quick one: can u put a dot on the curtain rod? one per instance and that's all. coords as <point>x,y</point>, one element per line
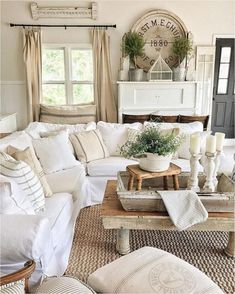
<point>62,26</point>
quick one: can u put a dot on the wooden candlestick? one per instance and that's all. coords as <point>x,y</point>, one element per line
<point>209,184</point>
<point>193,178</point>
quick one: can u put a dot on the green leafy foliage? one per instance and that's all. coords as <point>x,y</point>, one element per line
<point>181,48</point>
<point>152,140</point>
<point>133,46</point>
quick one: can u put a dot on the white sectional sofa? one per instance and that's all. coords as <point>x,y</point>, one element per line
<point>47,237</point>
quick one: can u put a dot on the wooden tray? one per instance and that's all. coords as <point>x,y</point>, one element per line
<point>149,200</point>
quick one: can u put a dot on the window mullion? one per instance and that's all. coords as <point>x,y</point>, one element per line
<point>68,76</point>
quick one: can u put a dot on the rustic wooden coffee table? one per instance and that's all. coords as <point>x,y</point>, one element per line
<point>135,171</point>
<point>115,217</point>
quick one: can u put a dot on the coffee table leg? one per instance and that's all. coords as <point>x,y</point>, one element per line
<point>123,241</point>
<point>230,249</point>
<point>165,182</point>
<point>176,182</point>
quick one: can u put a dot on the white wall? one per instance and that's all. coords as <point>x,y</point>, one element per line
<point>202,18</point>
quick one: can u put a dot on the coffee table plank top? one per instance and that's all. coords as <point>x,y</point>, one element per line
<point>112,208</point>
<point>139,173</point>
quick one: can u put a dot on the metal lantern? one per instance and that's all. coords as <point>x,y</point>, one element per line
<point>160,71</point>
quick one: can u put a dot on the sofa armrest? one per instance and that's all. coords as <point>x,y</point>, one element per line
<point>25,237</point>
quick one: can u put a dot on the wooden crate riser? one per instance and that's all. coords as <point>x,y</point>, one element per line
<point>149,200</point>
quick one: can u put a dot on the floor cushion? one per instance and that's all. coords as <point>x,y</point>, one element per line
<point>151,270</point>
<point>108,166</point>
<point>65,285</point>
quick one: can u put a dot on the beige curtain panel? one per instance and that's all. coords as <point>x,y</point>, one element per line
<point>32,51</point>
<point>103,88</point>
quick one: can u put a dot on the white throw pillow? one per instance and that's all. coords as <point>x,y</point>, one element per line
<point>115,135</point>
<point>89,146</point>
<point>25,178</point>
<point>34,129</point>
<point>13,199</point>
<point>54,153</point>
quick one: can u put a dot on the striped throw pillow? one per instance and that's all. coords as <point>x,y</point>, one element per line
<point>25,178</point>
<point>89,146</point>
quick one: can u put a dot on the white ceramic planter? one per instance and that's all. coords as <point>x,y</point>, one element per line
<point>155,163</point>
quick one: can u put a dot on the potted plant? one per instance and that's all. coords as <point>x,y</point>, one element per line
<point>133,46</point>
<point>181,48</point>
<point>153,148</point>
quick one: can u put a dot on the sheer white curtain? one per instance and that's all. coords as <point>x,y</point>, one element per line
<point>32,51</point>
<point>103,88</point>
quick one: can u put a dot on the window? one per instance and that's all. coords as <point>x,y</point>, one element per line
<point>67,75</point>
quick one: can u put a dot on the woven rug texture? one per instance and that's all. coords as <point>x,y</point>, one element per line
<point>93,247</point>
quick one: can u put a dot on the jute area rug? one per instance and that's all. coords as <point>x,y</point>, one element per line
<point>93,247</point>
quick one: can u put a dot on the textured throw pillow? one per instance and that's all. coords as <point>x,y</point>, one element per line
<point>54,153</point>
<point>13,288</point>
<point>115,135</point>
<point>13,199</point>
<point>89,146</point>
<point>67,114</point>
<point>28,155</point>
<point>25,177</point>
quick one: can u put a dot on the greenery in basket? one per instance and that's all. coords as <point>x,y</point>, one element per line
<point>133,46</point>
<point>181,48</point>
<point>152,140</point>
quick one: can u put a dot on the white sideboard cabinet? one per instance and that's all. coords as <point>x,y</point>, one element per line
<point>158,97</point>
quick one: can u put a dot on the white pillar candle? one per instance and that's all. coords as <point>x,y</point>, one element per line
<point>219,141</point>
<point>211,144</point>
<point>195,143</point>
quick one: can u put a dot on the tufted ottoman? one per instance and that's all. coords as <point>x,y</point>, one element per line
<point>150,270</point>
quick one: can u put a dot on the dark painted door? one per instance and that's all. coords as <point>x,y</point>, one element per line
<point>223,93</point>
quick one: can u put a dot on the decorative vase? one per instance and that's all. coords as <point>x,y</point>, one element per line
<point>136,74</point>
<point>179,74</point>
<point>154,162</point>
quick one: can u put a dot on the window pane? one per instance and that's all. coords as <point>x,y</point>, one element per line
<point>223,70</point>
<point>82,66</point>
<point>53,65</point>
<point>225,54</point>
<point>53,94</point>
<point>83,94</point>
<point>222,86</point>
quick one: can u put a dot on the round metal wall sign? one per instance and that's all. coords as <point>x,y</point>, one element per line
<point>159,28</point>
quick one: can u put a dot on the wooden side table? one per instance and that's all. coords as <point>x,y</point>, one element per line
<point>136,172</point>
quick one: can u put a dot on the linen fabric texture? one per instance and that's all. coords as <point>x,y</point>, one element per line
<point>66,114</point>
<point>25,177</point>
<point>89,146</point>
<point>13,199</point>
<point>28,156</point>
<point>13,288</point>
<point>151,270</point>
<point>65,285</point>
<point>54,153</point>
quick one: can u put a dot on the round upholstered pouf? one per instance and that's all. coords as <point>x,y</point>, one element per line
<point>65,285</point>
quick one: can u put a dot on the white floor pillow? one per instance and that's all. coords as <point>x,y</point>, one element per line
<point>25,178</point>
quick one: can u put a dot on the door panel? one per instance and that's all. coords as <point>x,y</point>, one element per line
<point>223,93</point>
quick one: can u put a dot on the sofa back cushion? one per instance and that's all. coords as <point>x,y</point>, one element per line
<point>13,199</point>
<point>54,153</point>
<point>24,176</point>
<point>28,155</point>
<point>67,114</point>
<point>89,146</point>
<point>19,140</point>
<point>115,135</point>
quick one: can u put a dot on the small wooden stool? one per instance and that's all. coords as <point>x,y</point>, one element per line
<point>136,171</point>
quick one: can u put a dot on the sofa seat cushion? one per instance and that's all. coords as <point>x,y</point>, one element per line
<point>66,180</point>
<point>108,166</point>
<point>59,211</point>
<point>151,270</point>
<point>184,164</point>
